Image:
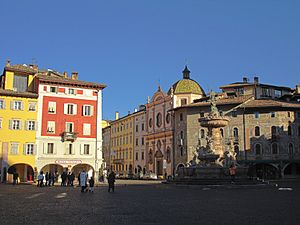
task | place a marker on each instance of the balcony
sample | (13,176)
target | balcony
(69,136)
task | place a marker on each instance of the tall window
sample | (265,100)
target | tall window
(29,149)
(183,101)
(143,156)
(70,149)
(235,133)
(30,125)
(258,150)
(15,124)
(88,110)
(51,127)
(69,127)
(257,131)
(70,109)
(274,148)
(291,149)
(136,156)
(143,126)
(32,106)
(50,148)
(273,130)
(20,83)
(52,107)
(137,128)
(181,151)
(14,148)
(17,105)
(136,141)
(86,129)
(181,117)
(158,120)
(143,141)
(256,115)
(289,130)
(2,104)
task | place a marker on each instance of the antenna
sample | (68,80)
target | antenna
(34,61)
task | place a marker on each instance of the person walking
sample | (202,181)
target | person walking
(47,179)
(92,183)
(41,179)
(72,178)
(63,178)
(83,181)
(111,181)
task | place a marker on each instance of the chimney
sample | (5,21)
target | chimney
(74,75)
(117,115)
(7,63)
(65,74)
(256,80)
(245,80)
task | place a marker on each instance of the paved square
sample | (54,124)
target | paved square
(149,204)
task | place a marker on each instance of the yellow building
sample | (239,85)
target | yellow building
(122,146)
(105,123)
(18,114)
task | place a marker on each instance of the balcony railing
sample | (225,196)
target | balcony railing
(69,136)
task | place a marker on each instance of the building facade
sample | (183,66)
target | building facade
(18,122)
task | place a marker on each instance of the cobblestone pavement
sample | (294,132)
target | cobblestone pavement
(150,204)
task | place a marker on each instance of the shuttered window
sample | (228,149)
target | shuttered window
(20,83)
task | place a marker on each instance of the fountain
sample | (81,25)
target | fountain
(211,163)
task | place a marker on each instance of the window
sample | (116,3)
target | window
(136,141)
(30,125)
(71,91)
(168,155)
(69,127)
(52,107)
(183,101)
(88,110)
(32,106)
(50,148)
(150,122)
(53,89)
(291,149)
(168,118)
(143,126)
(70,109)
(265,92)
(86,129)
(158,120)
(201,114)
(70,149)
(136,156)
(29,149)
(258,149)
(202,133)
(257,131)
(143,156)
(181,117)
(143,141)
(234,113)
(256,115)
(20,83)
(14,148)
(137,128)
(15,124)
(289,130)
(274,148)
(278,93)
(298,130)
(222,132)
(17,105)
(289,114)
(236,149)
(272,114)
(51,127)
(239,90)
(273,130)
(181,151)
(235,133)
(2,104)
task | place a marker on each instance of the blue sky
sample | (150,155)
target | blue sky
(133,45)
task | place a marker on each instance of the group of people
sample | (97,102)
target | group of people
(67,179)
(49,179)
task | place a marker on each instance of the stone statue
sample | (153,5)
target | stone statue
(214,112)
(148,99)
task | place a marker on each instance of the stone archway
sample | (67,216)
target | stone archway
(264,171)
(25,172)
(54,168)
(83,167)
(292,170)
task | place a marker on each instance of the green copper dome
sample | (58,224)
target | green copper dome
(186,85)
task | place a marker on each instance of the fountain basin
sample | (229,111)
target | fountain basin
(214,122)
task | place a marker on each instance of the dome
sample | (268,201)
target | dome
(186,85)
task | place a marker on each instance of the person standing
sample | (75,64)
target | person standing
(83,181)
(232,172)
(15,178)
(41,179)
(47,179)
(72,178)
(92,183)
(111,181)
